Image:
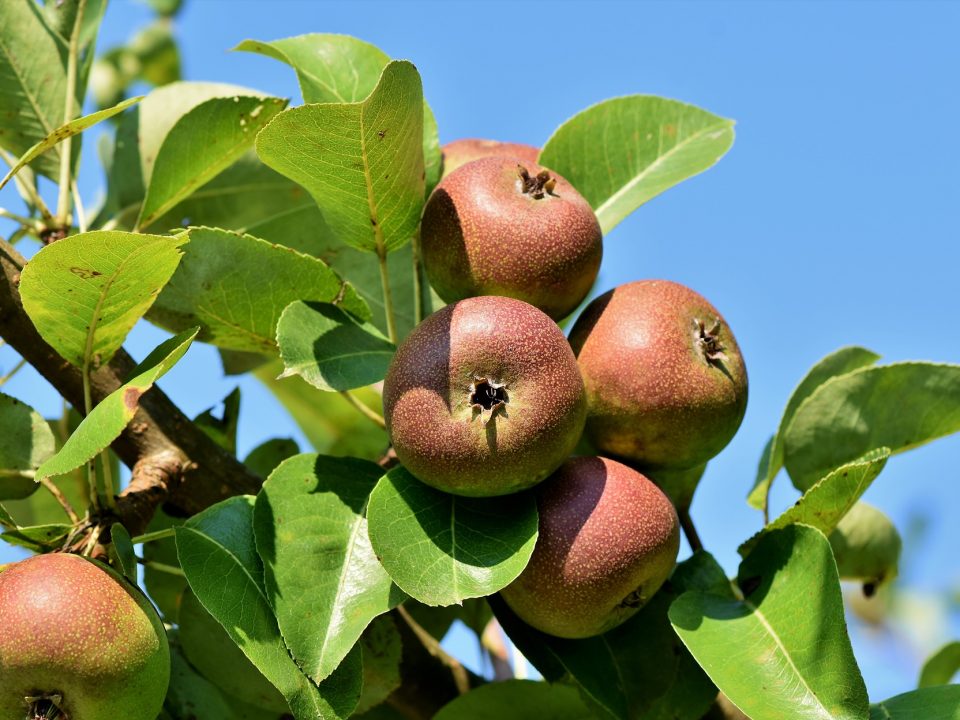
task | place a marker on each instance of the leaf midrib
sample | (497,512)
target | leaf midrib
(229,553)
(344,572)
(756,612)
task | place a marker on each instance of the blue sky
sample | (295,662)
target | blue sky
(832,221)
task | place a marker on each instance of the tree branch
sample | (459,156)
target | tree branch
(176,463)
(172,460)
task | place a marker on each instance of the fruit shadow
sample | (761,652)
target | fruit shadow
(447,225)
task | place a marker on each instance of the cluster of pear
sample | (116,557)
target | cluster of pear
(487,396)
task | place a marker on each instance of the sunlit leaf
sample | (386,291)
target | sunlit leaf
(623,152)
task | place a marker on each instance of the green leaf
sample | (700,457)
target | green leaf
(222,430)
(248,197)
(142,132)
(267,455)
(33,81)
(442,549)
(900,406)
(768,652)
(623,152)
(940,667)
(122,556)
(84,293)
(866,546)
(343,69)
(363,271)
(330,68)
(934,703)
(164,588)
(589,662)
(382,649)
(218,555)
(26,441)
(362,162)
(38,538)
(330,349)
(74,127)
(516,700)
(251,198)
(824,504)
(236,286)
(331,424)
(6,519)
(108,419)
(217,658)
(203,143)
(311,530)
(840,362)
(191,696)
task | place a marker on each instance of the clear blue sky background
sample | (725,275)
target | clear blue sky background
(832,221)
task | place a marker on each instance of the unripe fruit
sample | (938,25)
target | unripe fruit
(866,546)
(666,384)
(495,228)
(484,398)
(75,635)
(460,152)
(608,540)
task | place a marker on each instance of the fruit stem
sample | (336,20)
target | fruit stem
(91,466)
(62,499)
(363,409)
(417,279)
(387,297)
(689,529)
(162,567)
(461,677)
(16,368)
(28,189)
(153,536)
(63,200)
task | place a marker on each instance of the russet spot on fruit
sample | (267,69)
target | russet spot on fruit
(460,152)
(484,398)
(666,384)
(78,642)
(497,226)
(608,540)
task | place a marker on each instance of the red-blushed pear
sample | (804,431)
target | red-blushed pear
(608,540)
(666,384)
(484,398)
(78,642)
(460,152)
(498,227)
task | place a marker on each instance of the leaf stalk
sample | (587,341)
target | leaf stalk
(63,199)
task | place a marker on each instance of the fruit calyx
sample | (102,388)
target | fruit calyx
(487,397)
(709,341)
(537,186)
(45,707)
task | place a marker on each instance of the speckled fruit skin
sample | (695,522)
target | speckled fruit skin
(439,436)
(481,235)
(460,152)
(608,540)
(654,397)
(71,626)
